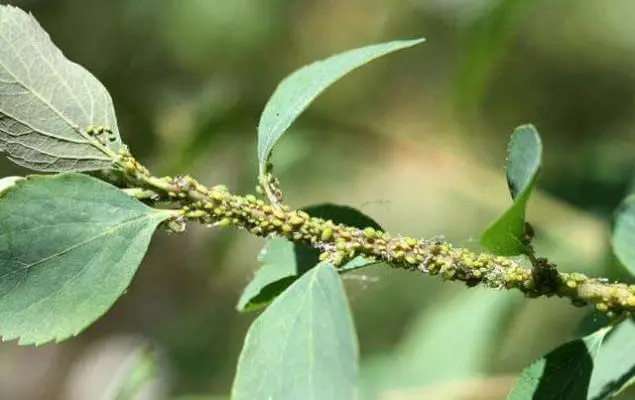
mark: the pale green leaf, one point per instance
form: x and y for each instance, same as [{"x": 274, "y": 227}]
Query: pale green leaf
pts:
[
  {"x": 70, "y": 245},
  {"x": 614, "y": 367},
  {"x": 283, "y": 262},
  {"x": 303, "y": 346},
  {"x": 48, "y": 103},
  {"x": 524, "y": 156},
  {"x": 280, "y": 268},
  {"x": 294, "y": 94},
  {"x": 623, "y": 238},
  {"x": 564, "y": 373}
]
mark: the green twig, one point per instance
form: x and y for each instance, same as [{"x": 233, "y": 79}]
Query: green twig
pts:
[{"x": 338, "y": 243}]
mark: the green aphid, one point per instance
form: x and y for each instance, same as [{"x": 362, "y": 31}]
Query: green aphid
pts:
[
  {"x": 327, "y": 234},
  {"x": 602, "y": 307},
  {"x": 369, "y": 233},
  {"x": 220, "y": 188},
  {"x": 398, "y": 255},
  {"x": 337, "y": 259},
  {"x": 218, "y": 196},
  {"x": 295, "y": 220},
  {"x": 224, "y": 222}
]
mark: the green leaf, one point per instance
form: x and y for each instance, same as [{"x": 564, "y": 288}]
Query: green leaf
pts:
[
  {"x": 294, "y": 94},
  {"x": 623, "y": 236},
  {"x": 48, "y": 103},
  {"x": 303, "y": 346},
  {"x": 70, "y": 246},
  {"x": 524, "y": 155},
  {"x": 564, "y": 373},
  {"x": 615, "y": 365},
  {"x": 280, "y": 268},
  {"x": 283, "y": 262}
]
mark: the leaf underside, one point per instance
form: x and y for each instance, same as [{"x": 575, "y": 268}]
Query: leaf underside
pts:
[
  {"x": 614, "y": 368},
  {"x": 47, "y": 103}
]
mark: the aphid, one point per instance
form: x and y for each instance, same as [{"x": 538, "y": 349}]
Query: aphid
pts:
[
  {"x": 369, "y": 233},
  {"x": 176, "y": 225},
  {"x": 327, "y": 234}
]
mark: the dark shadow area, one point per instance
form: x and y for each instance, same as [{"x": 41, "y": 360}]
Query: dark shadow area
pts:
[{"x": 573, "y": 356}]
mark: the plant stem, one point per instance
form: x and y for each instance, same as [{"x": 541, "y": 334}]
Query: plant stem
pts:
[{"x": 338, "y": 243}]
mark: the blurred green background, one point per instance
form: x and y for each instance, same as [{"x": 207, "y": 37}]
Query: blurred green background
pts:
[{"x": 416, "y": 140}]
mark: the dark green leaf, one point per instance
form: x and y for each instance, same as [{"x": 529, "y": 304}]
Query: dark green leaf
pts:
[
  {"x": 294, "y": 94},
  {"x": 564, "y": 373},
  {"x": 48, "y": 103},
  {"x": 283, "y": 262},
  {"x": 303, "y": 346},
  {"x": 70, "y": 246},
  {"x": 623, "y": 239},
  {"x": 615, "y": 366},
  {"x": 524, "y": 154}
]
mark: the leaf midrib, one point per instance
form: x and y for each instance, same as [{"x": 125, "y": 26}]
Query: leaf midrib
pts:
[
  {"x": 73, "y": 126},
  {"x": 80, "y": 244}
]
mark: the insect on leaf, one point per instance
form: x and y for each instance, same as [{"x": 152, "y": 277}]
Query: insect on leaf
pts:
[{"x": 54, "y": 115}]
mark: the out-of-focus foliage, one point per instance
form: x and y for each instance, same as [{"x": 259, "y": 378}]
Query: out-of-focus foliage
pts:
[
  {"x": 624, "y": 233},
  {"x": 189, "y": 79}
]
